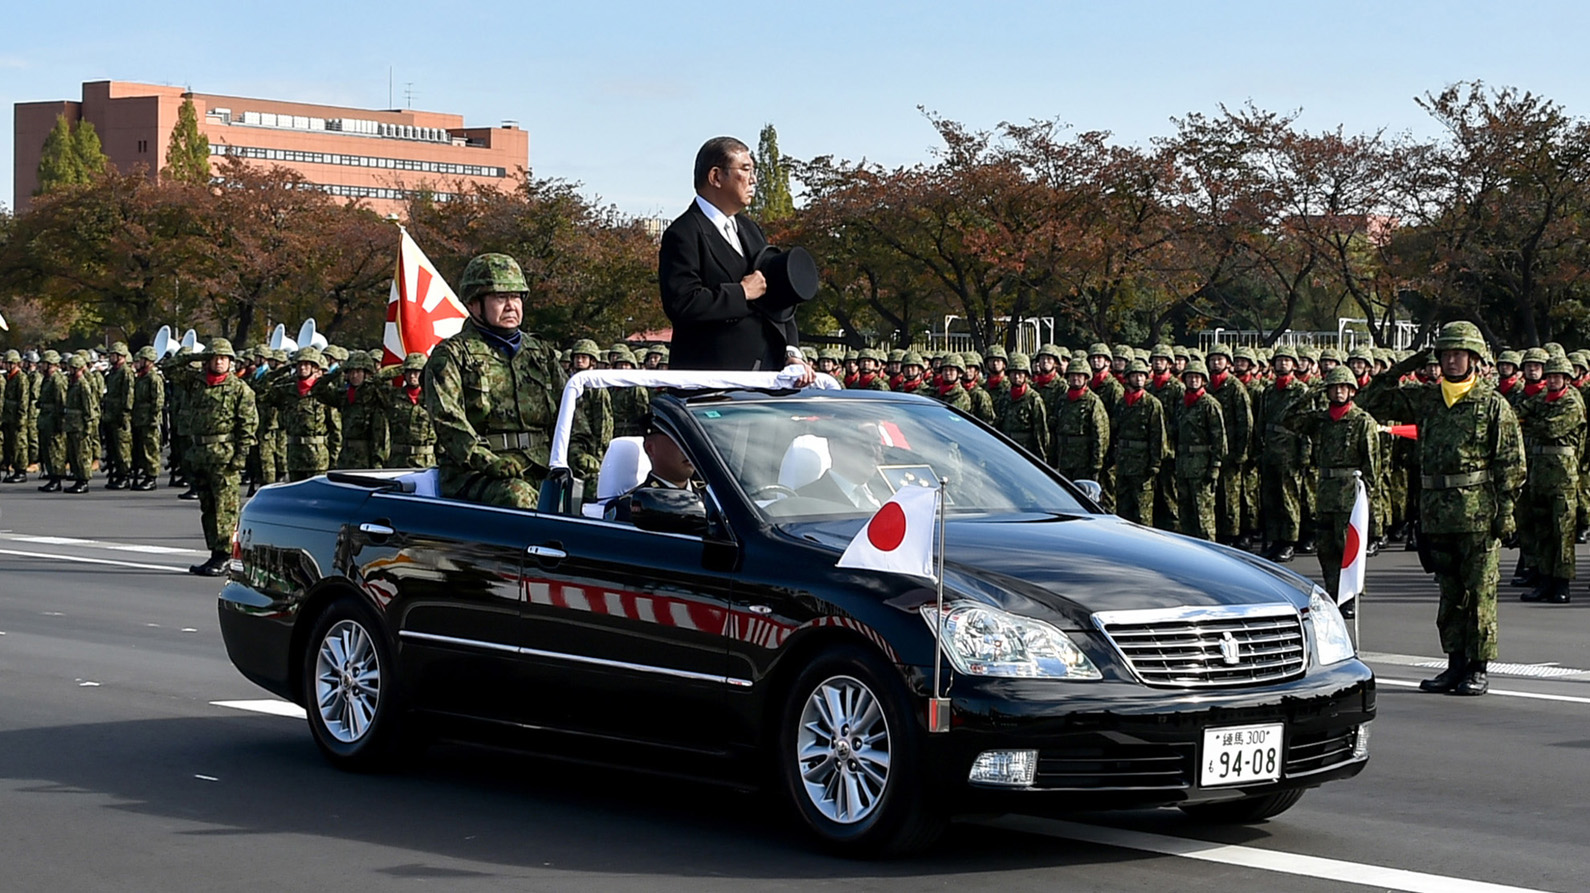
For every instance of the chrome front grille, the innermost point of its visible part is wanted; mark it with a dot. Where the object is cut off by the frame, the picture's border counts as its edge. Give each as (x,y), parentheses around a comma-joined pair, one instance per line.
(1208,647)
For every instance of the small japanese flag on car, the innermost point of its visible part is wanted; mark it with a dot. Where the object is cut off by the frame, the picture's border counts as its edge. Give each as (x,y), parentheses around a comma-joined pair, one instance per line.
(1351,584)
(899,537)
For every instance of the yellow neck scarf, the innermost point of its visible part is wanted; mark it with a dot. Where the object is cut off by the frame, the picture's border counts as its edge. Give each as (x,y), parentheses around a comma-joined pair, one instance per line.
(1453,391)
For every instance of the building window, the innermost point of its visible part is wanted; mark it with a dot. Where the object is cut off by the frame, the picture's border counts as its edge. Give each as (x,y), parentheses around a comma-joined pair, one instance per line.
(406,164)
(143,147)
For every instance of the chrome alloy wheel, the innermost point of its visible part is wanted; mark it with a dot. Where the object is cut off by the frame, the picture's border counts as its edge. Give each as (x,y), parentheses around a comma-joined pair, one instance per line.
(842,747)
(347,681)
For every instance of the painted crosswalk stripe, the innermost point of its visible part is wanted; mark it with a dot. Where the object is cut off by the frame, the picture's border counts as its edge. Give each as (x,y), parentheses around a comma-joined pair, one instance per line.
(1376,876)
(269,706)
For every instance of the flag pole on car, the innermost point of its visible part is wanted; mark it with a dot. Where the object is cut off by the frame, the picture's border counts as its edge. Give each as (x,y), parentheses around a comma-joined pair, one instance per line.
(939,707)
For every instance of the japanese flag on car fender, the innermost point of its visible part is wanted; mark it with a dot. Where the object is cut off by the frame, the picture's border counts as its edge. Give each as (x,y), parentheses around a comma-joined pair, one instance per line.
(1354,552)
(899,536)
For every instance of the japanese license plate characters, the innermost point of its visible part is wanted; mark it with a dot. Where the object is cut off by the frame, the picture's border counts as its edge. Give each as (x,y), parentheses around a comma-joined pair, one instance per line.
(1240,755)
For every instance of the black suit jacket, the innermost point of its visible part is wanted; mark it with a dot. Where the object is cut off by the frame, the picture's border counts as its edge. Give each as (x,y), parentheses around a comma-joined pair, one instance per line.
(715,327)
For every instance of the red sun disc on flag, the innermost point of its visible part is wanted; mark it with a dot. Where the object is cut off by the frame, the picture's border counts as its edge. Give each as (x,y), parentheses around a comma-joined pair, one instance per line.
(1350,552)
(886,530)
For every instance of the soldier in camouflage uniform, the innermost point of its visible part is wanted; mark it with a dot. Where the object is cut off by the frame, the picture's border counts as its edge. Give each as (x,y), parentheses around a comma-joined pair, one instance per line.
(1281,456)
(1164,383)
(493,391)
(15,410)
(1348,440)
(30,423)
(1508,381)
(179,372)
(995,363)
(313,429)
(267,457)
(828,361)
(949,390)
(1046,377)
(222,420)
(413,435)
(356,394)
(1236,411)
(1200,451)
(631,405)
(1553,425)
(116,412)
(1532,383)
(52,418)
(149,403)
(596,405)
(911,380)
(1471,460)
(80,419)
(972,381)
(1079,427)
(1139,439)
(1021,413)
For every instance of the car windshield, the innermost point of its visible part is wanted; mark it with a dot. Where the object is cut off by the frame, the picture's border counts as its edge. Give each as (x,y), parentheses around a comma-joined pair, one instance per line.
(820,456)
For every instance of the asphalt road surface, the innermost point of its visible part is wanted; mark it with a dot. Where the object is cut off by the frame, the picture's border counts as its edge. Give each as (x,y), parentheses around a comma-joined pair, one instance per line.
(120,771)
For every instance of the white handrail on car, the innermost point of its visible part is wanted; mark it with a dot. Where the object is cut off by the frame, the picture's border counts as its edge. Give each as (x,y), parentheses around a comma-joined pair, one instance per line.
(689,379)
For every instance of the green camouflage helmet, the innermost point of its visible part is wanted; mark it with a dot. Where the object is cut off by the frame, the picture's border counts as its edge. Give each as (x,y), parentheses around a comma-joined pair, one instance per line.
(414,362)
(120,349)
(220,347)
(870,353)
(1535,355)
(1330,353)
(1050,350)
(1163,350)
(912,358)
(147,352)
(657,350)
(973,359)
(1079,363)
(52,357)
(1099,349)
(490,273)
(1220,350)
(1555,349)
(1137,366)
(309,354)
(1122,350)
(1018,362)
(1245,353)
(852,355)
(1580,358)
(620,353)
(1463,335)
(1362,353)
(76,361)
(1511,357)
(359,359)
(13,356)
(897,356)
(1341,375)
(1195,367)
(1559,364)
(336,353)
(1178,352)
(953,360)
(587,347)
(280,355)
(1283,350)
(831,353)
(1308,353)
(997,350)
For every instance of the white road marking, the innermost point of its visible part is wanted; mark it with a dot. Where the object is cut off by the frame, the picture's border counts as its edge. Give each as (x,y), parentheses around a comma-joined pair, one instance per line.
(1547,670)
(1376,876)
(83,560)
(88,685)
(269,706)
(101,544)
(206,778)
(1506,693)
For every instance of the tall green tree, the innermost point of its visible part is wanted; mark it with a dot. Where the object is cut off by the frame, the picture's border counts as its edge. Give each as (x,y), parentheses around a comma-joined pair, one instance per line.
(188,153)
(772,201)
(90,154)
(59,165)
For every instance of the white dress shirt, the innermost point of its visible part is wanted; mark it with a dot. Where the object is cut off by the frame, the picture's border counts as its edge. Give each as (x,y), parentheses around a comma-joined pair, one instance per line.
(723,223)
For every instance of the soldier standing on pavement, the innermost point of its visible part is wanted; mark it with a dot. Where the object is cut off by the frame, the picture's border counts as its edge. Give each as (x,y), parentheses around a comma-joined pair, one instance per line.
(149,400)
(413,435)
(911,369)
(1164,383)
(222,423)
(356,395)
(949,390)
(1200,451)
(1553,424)
(869,375)
(1022,416)
(1236,411)
(314,430)
(14,413)
(117,414)
(1532,365)
(1471,461)
(972,381)
(632,405)
(52,415)
(1079,427)
(1280,458)
(1138,435)
(80,419)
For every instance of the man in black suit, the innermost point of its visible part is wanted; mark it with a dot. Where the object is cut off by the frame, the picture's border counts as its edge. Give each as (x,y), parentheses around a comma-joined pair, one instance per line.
(709,289)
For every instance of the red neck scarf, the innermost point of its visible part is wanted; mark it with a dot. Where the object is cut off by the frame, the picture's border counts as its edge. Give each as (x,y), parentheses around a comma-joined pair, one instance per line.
(995,380)
(1218,380)
(1159,381)
(948,388)
(1282,382)
(969,385)
(214,379)
(1018,391)
(1133,396)
(1534,387)
(304,384)
(352,393)
(1191,397)
(1363,382)
(894,381)
(1554,396)
(1119,376)
(413,393)
(1099,378)
(850,380)
(1044,379)
(1245,378)
(1338,411)
(1075,394)
(864,379)
(1507,384)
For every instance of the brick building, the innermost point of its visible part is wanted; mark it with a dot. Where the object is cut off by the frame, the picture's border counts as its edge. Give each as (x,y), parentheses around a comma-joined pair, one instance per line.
(377,155)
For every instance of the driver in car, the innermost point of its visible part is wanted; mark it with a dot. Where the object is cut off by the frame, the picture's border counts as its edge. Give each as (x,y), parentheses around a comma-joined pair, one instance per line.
(853,479)
(671,469)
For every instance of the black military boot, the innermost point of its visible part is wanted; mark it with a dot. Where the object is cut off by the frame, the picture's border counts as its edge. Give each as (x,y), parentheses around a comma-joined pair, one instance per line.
(1523,576)
(117,483)
(1557,593)
(215,567)
(1280,552)
(1475,682)
(54,486)
(1447,679)
(144,484)
(78,486)
(16,477)
(1538,594)
(1374,547)
(1307,546)
(191,493)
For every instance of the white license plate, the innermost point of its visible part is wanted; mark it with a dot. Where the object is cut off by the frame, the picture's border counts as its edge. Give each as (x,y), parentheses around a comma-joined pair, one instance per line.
(1240,755)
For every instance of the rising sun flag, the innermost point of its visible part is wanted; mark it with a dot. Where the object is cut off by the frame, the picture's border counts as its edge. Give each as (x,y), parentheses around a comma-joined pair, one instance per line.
(422,310)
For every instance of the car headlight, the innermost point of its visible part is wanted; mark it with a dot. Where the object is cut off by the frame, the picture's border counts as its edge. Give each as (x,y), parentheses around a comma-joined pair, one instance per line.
(984,641)
(1331,642)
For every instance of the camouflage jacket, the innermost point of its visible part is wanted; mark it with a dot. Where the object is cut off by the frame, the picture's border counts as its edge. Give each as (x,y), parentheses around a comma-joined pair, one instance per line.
(1052,392)
(1278,444)
(1554,433)
(1024,420)
(1471,454)
(1079,435)
(1200,437)
(955,396)
(630,406)
(1346,446)
(982,404)
(18,400)
(877,382)
(149,398)
(222,422)
(1138,436)
(313,429)
(52,402)
(1112,392)
(80,413)
(1236,411)
(474,391)
(409,424)
(118,395)
(365,439)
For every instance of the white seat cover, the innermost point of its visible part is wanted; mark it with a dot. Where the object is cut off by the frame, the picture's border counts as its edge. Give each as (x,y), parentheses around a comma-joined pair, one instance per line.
(806,460)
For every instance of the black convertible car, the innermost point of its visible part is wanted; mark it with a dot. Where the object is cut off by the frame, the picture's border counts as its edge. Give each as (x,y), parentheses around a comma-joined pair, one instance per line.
(1089,662)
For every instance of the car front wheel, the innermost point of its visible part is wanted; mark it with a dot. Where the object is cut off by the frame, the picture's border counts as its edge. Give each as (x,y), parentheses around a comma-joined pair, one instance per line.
(350,691)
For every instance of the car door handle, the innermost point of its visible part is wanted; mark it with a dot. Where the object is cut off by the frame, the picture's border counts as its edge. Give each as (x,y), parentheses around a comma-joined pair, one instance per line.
(376,529)
(546,553)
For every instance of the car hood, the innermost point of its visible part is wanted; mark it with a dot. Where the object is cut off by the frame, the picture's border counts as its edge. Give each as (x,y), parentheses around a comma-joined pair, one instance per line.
(1077,565)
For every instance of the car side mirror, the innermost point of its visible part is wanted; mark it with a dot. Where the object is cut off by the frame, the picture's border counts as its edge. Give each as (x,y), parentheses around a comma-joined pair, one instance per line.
(666,510)
(1092,490)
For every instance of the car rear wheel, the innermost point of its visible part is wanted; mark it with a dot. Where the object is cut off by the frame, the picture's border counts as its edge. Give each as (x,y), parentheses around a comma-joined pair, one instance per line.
(849,757)
(350,689)
(1247,810)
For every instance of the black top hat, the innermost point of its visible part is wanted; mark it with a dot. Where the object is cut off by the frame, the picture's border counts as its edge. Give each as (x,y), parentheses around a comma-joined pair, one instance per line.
(791,276)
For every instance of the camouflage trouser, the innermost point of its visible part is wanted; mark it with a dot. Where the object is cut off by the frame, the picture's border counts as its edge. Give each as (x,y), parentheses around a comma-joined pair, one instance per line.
(1331,537)
(1546,529)
(179,447)
(1166,514)
(270,457)
(1195,504)
(8,447)
(33,442)
(1228,503)
(146,451)
(80,455)
(219,504)
(473,486)
(118,447)
(1250,497)
(1308,496)
(1134,499)
(1279,504)
(1466,569)
(52,453)
(1582,515)
(1108,482)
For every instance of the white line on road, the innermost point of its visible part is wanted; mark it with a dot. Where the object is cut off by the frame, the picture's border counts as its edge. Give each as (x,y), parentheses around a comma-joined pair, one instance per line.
(83,560)
(1506,693)
(1255,857)
(100,544)
(268,706)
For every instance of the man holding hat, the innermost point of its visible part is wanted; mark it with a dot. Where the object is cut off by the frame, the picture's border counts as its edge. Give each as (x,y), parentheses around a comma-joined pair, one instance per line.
(222,420)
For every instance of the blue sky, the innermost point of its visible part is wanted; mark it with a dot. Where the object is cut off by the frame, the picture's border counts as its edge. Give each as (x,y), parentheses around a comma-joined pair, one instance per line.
(618,95)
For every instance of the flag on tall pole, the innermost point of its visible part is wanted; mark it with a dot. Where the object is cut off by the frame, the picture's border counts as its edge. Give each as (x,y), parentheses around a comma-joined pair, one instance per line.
(422,309)
(1355,552)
